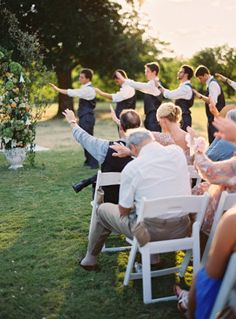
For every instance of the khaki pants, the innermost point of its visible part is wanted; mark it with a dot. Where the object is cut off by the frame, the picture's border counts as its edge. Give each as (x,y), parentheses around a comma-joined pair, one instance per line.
(108,220)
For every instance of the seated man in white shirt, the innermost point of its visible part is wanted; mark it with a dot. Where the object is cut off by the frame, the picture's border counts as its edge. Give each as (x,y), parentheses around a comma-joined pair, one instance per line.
(125,98)
(157,171)
(152,95)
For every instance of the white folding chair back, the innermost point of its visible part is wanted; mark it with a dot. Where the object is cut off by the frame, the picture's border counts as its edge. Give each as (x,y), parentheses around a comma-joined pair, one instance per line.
(193,173)
(227,294)
(171,206)
(227,201)
(104,179)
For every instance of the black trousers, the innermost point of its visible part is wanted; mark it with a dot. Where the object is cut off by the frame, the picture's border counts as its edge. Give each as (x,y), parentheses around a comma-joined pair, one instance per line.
(87,123)
(151,123)
(186,121)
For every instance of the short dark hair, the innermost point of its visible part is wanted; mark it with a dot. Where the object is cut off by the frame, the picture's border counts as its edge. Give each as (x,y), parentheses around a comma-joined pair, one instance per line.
(201,70)
(129,118)
(188,70)
(122,72)
(153,66)
(88,73)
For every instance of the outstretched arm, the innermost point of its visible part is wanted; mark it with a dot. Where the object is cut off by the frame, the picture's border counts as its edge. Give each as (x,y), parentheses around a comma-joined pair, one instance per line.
(104,94)
(201,96)
(226,80)
(97,147)
(57,89)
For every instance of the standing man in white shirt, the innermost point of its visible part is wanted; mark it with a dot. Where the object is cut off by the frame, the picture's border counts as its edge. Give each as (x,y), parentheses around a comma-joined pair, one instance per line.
(183,95)
(214,91)
(157,171)
(152,95)
(87,104)
(125,98)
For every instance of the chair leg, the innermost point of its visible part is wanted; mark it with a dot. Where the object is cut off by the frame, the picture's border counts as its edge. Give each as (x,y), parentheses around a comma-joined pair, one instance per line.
(185,263)
(196,256)
(146,276)
(129,267)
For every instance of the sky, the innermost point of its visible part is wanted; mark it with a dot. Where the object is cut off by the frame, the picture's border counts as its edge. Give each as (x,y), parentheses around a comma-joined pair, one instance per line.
(191,25)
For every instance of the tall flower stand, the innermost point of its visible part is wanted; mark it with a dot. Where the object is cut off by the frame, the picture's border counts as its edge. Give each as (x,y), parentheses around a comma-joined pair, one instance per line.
(15,157)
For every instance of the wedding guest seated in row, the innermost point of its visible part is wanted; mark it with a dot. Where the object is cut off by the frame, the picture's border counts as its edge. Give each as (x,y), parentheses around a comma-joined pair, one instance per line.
(220,149)
(219,176)
(100,148)
(169,116)
(199,302)
(157,171)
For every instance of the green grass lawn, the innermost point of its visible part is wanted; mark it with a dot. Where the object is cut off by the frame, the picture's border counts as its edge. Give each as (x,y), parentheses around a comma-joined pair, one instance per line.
(43,232)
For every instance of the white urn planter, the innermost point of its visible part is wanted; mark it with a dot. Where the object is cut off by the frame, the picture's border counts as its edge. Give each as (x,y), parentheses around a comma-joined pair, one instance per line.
(15,157)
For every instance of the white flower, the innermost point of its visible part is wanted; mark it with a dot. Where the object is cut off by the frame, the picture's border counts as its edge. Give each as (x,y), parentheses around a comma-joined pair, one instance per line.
(28,122)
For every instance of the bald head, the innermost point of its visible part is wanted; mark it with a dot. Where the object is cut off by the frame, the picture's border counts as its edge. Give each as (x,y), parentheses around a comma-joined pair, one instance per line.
(129,119)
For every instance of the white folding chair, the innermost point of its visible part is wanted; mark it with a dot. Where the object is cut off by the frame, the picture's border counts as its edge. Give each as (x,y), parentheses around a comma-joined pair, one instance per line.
(151,209)
(104,179)
(193,173)
(227,292)
(227,200)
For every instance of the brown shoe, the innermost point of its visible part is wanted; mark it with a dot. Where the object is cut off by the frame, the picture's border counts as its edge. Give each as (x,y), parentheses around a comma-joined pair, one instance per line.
(90,267)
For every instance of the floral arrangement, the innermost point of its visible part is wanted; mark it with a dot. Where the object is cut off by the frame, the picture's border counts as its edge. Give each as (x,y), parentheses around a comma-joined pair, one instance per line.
(17,124)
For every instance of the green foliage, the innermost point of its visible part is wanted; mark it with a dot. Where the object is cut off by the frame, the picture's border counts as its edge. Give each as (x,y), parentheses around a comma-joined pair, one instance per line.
(17,124)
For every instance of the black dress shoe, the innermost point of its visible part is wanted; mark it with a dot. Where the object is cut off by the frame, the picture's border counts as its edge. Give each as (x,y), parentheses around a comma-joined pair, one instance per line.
(82,184)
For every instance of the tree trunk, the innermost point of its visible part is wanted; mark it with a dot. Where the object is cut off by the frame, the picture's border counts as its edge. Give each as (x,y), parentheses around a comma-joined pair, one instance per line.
(64,82)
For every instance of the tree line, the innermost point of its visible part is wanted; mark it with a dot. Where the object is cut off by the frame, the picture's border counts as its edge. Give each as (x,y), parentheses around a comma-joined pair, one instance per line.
(53,38)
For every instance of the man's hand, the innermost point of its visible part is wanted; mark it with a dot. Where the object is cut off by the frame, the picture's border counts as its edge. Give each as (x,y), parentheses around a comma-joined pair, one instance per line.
(113,116)
(221,77)
(227,129)
(212,108)
(70,116)
(121,150)
(54,87)
(124,211)
(120,77)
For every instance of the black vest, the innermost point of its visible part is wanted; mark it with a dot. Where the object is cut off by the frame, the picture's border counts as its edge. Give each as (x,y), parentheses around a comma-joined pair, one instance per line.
(113,164)
(220,100)
(86,106)
(129,103)
(184,104)
(151,102)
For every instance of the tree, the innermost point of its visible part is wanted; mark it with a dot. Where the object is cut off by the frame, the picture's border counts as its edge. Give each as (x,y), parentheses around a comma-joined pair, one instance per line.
(90,33)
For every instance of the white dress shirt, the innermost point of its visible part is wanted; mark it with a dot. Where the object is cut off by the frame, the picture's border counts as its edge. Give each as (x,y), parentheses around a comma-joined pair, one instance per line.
(214,89)
(158,171)
(148,87)
(182,92)
(86,91)
(124,93)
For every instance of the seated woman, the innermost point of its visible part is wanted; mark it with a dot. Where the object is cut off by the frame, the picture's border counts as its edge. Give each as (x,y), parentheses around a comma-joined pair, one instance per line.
(219,176)
(220,149)
(207,282)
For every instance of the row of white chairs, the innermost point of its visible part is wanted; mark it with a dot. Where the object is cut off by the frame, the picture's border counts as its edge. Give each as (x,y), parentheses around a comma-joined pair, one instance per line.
(151,208)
